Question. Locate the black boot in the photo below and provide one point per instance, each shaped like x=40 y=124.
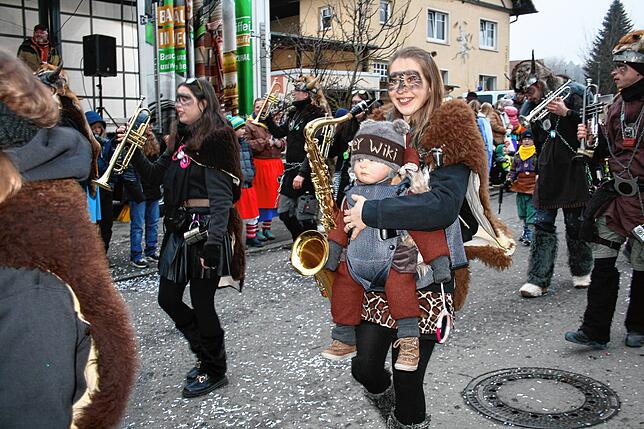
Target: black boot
x=543 y=253
x=635 y=314
x=580 y=256
x=602 y=298
x=191 y=333
x=203 y=384
x=384 y=402
x=394 y=423
x=213 y=369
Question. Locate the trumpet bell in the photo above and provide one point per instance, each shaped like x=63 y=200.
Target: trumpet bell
x=102 y=182
x=309 y=253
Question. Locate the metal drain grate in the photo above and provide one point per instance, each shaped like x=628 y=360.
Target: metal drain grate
x=600 y=402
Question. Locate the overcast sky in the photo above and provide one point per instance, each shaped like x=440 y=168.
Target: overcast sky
x=565 y=28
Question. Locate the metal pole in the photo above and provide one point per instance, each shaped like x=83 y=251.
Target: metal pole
x=157 y=78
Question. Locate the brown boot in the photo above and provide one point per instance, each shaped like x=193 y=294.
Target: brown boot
x=339 y=351
x=409 y=354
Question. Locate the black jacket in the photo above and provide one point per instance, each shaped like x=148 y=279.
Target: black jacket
x=562 y=176
x=293 y=129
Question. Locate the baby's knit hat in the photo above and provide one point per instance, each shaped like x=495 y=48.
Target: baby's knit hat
x=382 y=141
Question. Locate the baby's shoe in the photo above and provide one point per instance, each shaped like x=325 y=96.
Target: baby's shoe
x=339 y=351
x=409 y=354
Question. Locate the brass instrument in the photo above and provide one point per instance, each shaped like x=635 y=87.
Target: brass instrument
x=269 y=100
x=593 y=115
x=540 y=112
x=311 y=249
x=134 y=139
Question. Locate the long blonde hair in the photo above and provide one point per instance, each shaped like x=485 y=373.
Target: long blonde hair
x=419 y=121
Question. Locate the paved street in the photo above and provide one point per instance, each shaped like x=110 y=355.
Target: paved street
x=277 y=327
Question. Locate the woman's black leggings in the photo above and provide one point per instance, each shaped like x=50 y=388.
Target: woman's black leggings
x=373 y=342
x=202 y=295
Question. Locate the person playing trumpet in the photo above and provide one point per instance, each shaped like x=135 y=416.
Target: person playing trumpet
x=615 y=212
x=561 y=182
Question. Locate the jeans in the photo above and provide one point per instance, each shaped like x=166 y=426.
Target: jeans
x=145 y=212
x=545 y=220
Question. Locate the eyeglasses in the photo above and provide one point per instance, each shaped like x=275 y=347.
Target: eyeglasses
x=620 y=67
x=411 y=80
x=194 y=80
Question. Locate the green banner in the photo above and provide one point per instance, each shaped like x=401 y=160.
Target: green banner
x=243 y=12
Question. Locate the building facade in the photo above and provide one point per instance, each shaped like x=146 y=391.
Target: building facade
x=469 y=39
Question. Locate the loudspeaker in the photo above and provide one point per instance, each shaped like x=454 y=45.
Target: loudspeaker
x=99 y=55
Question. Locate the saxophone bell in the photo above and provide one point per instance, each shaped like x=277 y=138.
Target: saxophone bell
x=310 y=250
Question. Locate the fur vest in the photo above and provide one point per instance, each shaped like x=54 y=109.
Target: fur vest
x=221 y=151
x=48 y=212
x=453 y=128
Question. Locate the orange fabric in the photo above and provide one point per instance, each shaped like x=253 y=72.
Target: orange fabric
x=247 y=204
x=346 y=297
x=400 y=290
x=431 y=244
x=266 y=181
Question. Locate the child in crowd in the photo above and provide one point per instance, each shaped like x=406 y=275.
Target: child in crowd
x=373 y=262
x=523 y=177
x=247 y=204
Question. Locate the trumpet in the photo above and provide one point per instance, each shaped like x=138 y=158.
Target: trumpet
x=311 y=249
x=593 y=115
x=134 y=139
x=269 y=100
x=540 y=112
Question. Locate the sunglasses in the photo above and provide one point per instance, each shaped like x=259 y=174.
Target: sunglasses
x=192 y=80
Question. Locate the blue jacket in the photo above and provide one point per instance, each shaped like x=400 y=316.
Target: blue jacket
x=247 y=164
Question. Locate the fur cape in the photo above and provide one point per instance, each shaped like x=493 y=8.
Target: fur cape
x=221 y=151
x=48 y=212
x=453 y=128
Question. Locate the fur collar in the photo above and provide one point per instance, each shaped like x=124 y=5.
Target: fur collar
x=221 y=150
x=453 y=128
x=49 y=212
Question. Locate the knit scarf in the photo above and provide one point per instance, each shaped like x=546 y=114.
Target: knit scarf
x=526 y=152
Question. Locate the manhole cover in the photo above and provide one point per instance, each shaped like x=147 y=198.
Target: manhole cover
x=541 y=398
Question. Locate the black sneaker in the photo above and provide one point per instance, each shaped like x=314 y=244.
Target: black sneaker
x=580 y=338
x=154 y=257
x=141 y=263
x=194 y=372
x=202 y=385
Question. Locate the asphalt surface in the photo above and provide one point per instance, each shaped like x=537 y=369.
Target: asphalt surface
x=277 y=327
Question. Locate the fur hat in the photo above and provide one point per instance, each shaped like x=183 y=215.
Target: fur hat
x=630 y=48
x=381 y=141
x=529 y=72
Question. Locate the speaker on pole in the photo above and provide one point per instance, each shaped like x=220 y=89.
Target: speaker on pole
x=99 y=55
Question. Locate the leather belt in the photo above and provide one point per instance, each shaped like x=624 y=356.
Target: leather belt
x=196 y=202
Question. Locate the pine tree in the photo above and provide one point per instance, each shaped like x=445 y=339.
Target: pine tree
x=600 y=61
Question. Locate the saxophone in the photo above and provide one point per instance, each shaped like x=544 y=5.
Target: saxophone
x=311 y=249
